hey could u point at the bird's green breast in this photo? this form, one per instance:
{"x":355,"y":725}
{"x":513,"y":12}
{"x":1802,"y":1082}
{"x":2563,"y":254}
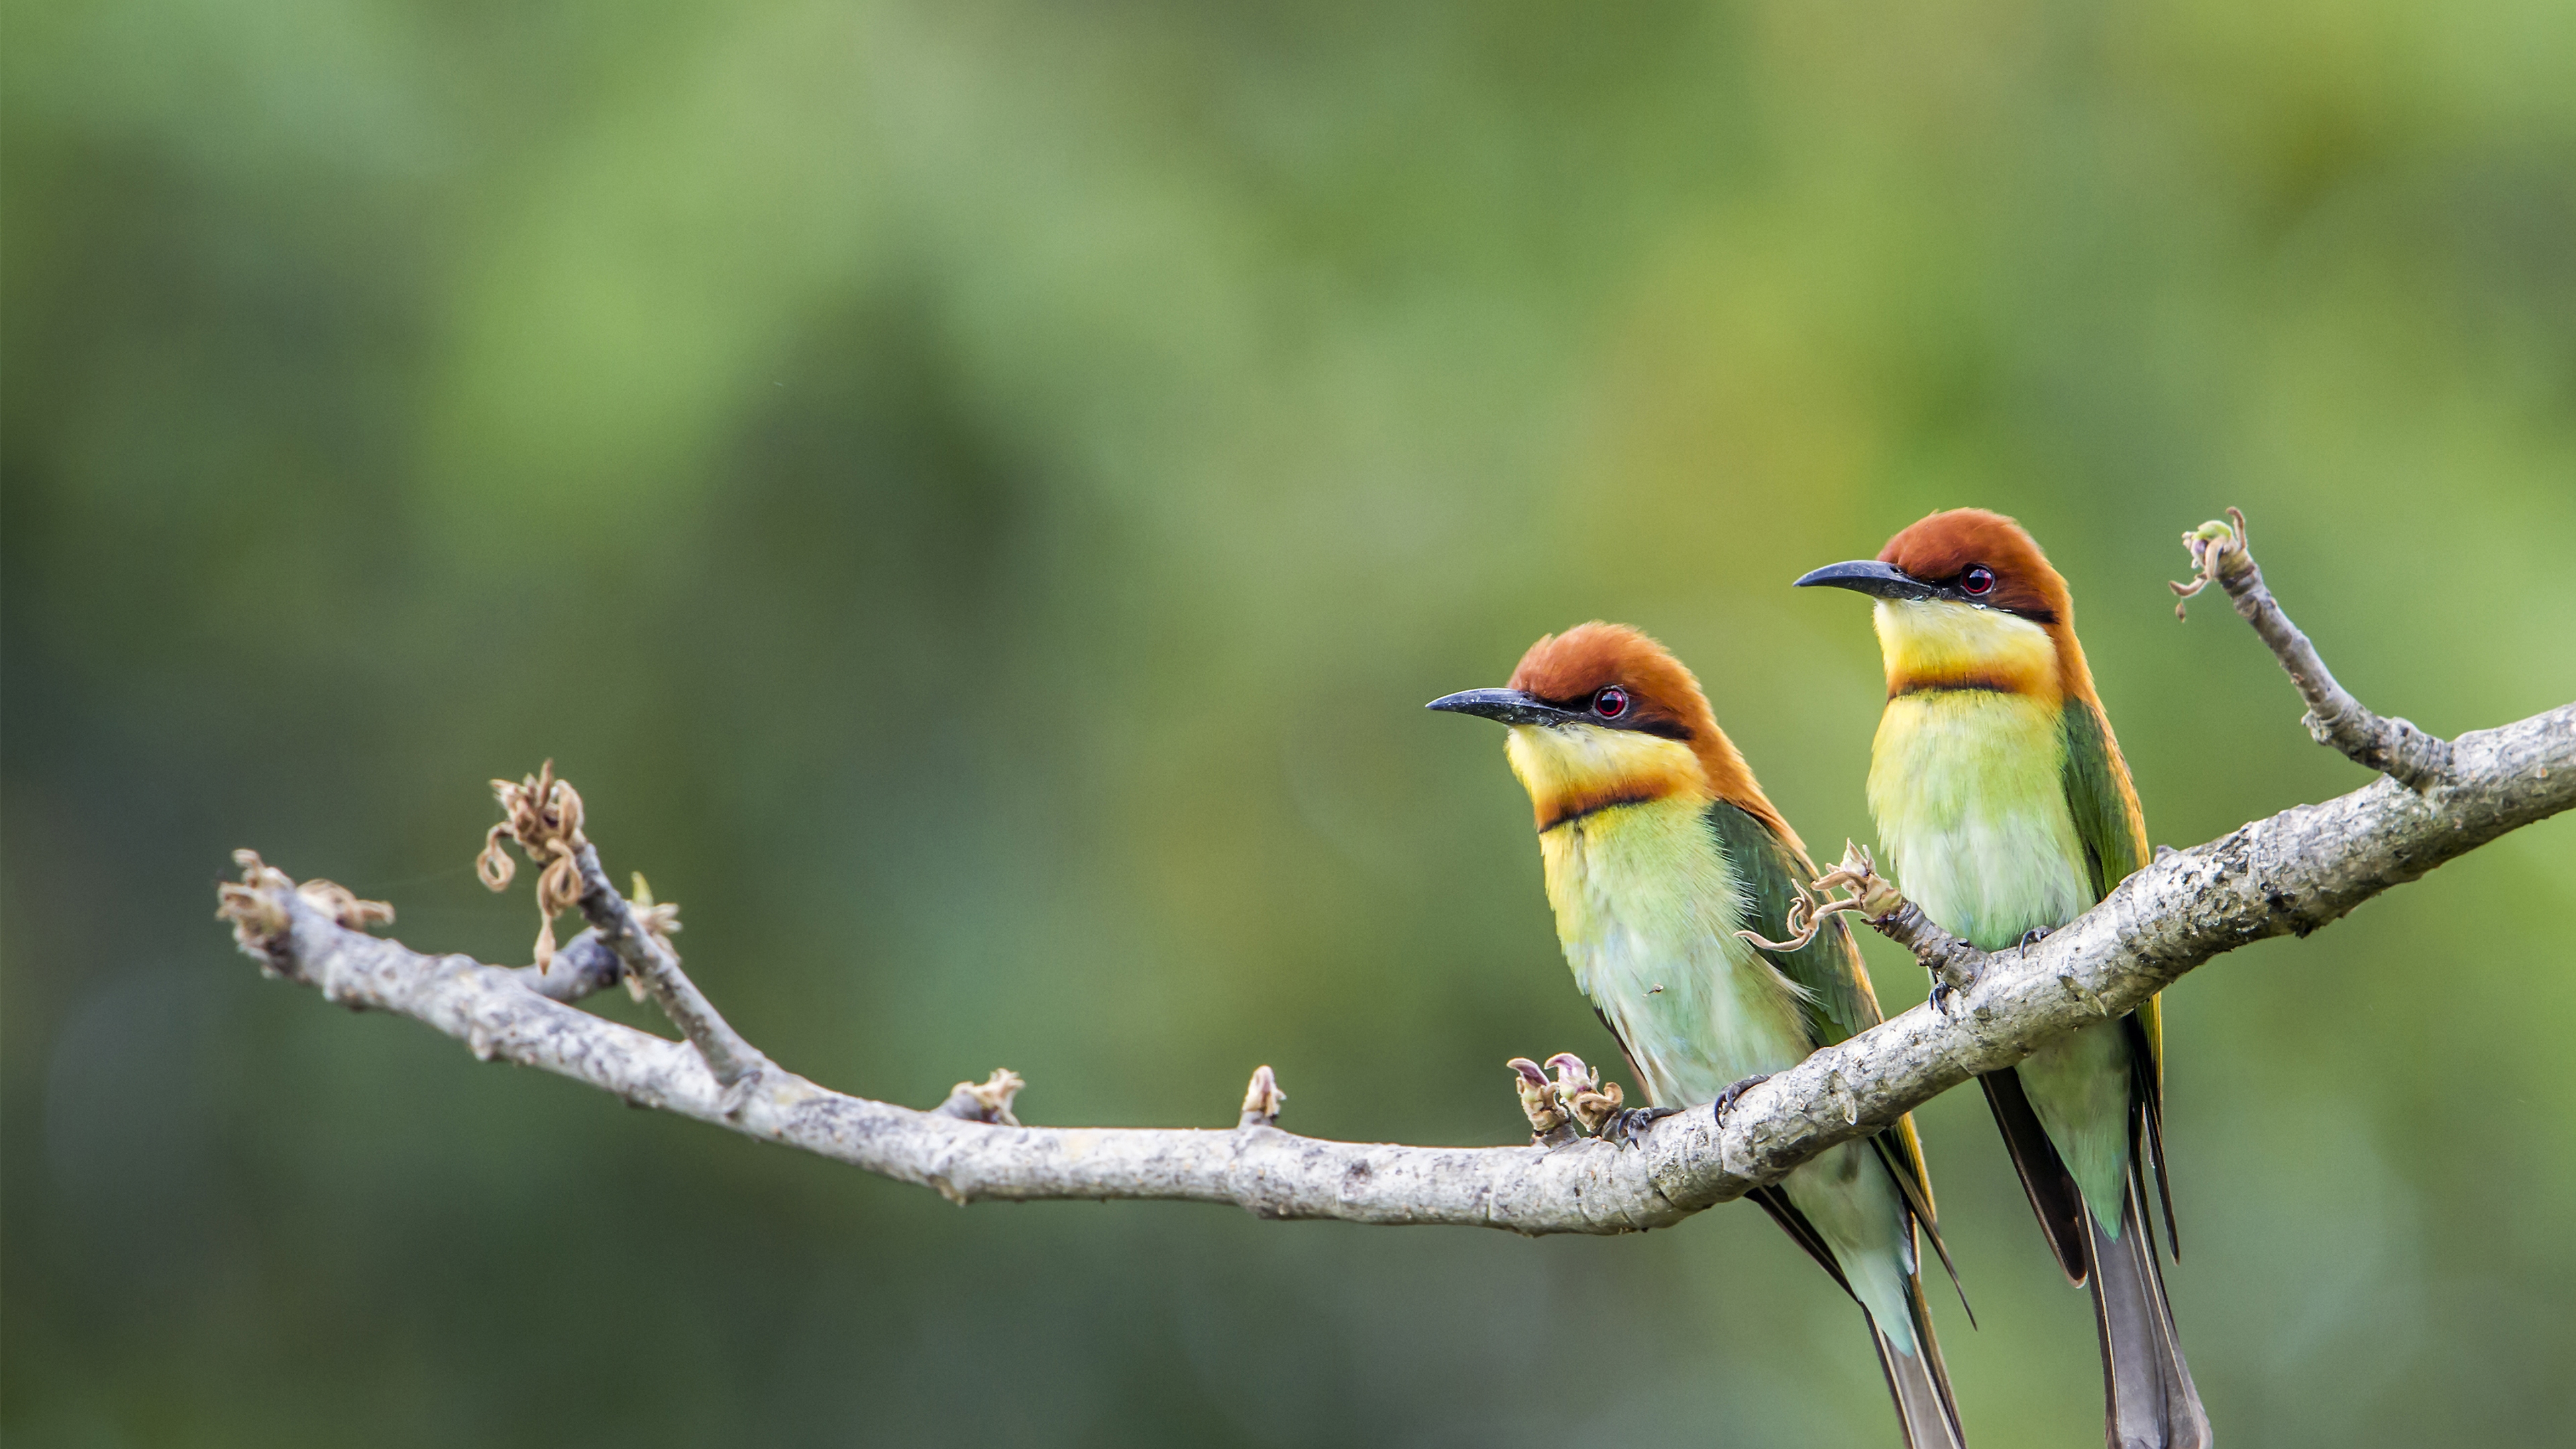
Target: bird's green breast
{"x":1647,"y":907}
{"x":1968,"y":789}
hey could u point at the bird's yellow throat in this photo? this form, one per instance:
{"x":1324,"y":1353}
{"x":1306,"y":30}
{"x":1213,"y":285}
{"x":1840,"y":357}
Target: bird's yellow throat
{"x":1572,"y":770}
{"x":1939,"y":644}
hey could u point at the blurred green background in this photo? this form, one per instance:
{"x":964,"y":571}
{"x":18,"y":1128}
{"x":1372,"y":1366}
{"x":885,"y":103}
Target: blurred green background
{"x":976,"y":494}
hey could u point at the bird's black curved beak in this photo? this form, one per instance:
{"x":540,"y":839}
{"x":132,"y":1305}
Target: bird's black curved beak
{"x":1869,"y":576}
{"x":1508,"y":706}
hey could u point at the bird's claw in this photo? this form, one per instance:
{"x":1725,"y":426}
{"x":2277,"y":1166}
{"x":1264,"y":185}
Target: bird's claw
{"x":2033,"y":937}
{"x":1627,"y":1127}
{"x":1726,"y":1100}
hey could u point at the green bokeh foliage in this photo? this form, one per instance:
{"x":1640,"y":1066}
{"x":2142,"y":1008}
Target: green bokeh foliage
{"x":976,"y":495}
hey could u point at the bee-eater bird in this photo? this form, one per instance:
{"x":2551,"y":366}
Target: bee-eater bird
{"x":1658,"y":848}
{"x":2006,"y":811}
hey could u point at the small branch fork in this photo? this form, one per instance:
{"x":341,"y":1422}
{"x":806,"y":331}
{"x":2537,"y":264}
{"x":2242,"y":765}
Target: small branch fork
{"x":2286,"y":874}
{"x":1954,"y":963}
{"x":543,"y":816}
{"x":2221,"y":553}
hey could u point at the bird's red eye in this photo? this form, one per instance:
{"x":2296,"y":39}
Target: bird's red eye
{"x":1610,"y":703}
{"x":1978,"y":580}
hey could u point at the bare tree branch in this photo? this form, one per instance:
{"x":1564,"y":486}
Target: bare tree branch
{"x":584,"y":965}
{"x":2288,"y":874}
{"x":542,"y":815}
{"x":2223,"y":554}
{"x":648,"y":958}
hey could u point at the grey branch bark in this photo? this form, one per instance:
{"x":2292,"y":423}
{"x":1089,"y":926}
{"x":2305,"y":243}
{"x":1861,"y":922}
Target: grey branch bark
{"x":649,"y":959}
{"x":584,"y":965}
{"x":2393,"y":747}
{"x":2288,"y":874}
{"x":1954,"y":963}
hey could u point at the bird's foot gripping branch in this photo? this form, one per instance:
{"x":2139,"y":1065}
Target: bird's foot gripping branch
{"x":2287,"y":874}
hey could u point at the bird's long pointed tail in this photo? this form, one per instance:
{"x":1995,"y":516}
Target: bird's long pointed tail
{"x":1919,"y":1382}
{"x":2148,"y":1399}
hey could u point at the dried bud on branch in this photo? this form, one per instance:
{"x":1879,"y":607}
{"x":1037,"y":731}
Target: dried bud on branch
{"x":543,"y":814}
{"x":986,"y":1101}
{"x":1262,"y":1099}
{"x":2216,"y":549}
{"x":1550,"y":1124}
{"x":1587,"y":1099}
{"x":256,"y":919}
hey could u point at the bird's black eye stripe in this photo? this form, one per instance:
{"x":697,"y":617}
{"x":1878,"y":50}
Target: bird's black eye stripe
{"x":1629,"y":716}
{"x":1976,"y":584}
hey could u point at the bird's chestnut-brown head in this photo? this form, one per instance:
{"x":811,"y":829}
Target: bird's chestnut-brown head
{"x":1966,"y":600}
{"x":1602,"y":716}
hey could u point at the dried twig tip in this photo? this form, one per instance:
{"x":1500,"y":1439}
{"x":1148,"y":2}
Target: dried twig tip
{"x":1870,"y":895}
{"x":2211,"y":546}
{"x":1586,"y":1098}
{"x":660,"y":919}
{"x":1549,"y":1123}
{"x":986,"y":1101}
{"x":341,"y":904}
{"x":995,"y":1092}
{"x":257,"y":917}
{"x":1262,"y":1099}
{"x":542,"y":814}
{"x":1858,"y":873}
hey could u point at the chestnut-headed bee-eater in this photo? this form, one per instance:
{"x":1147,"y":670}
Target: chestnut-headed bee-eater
{"x":2005,"y":811}
{"x":1659,"y":847}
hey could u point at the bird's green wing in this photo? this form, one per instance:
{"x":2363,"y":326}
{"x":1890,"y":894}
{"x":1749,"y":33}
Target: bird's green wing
{"x":2110,"y":826}
{"x":1840,"y":1001}
{"x":1769,"y":872}
{"x":2114,"y":834}
{"x":2107,"y":819}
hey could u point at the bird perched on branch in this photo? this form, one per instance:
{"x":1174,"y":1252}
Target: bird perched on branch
{"x":2006,"y":811}
{"x":1659,"y":849}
